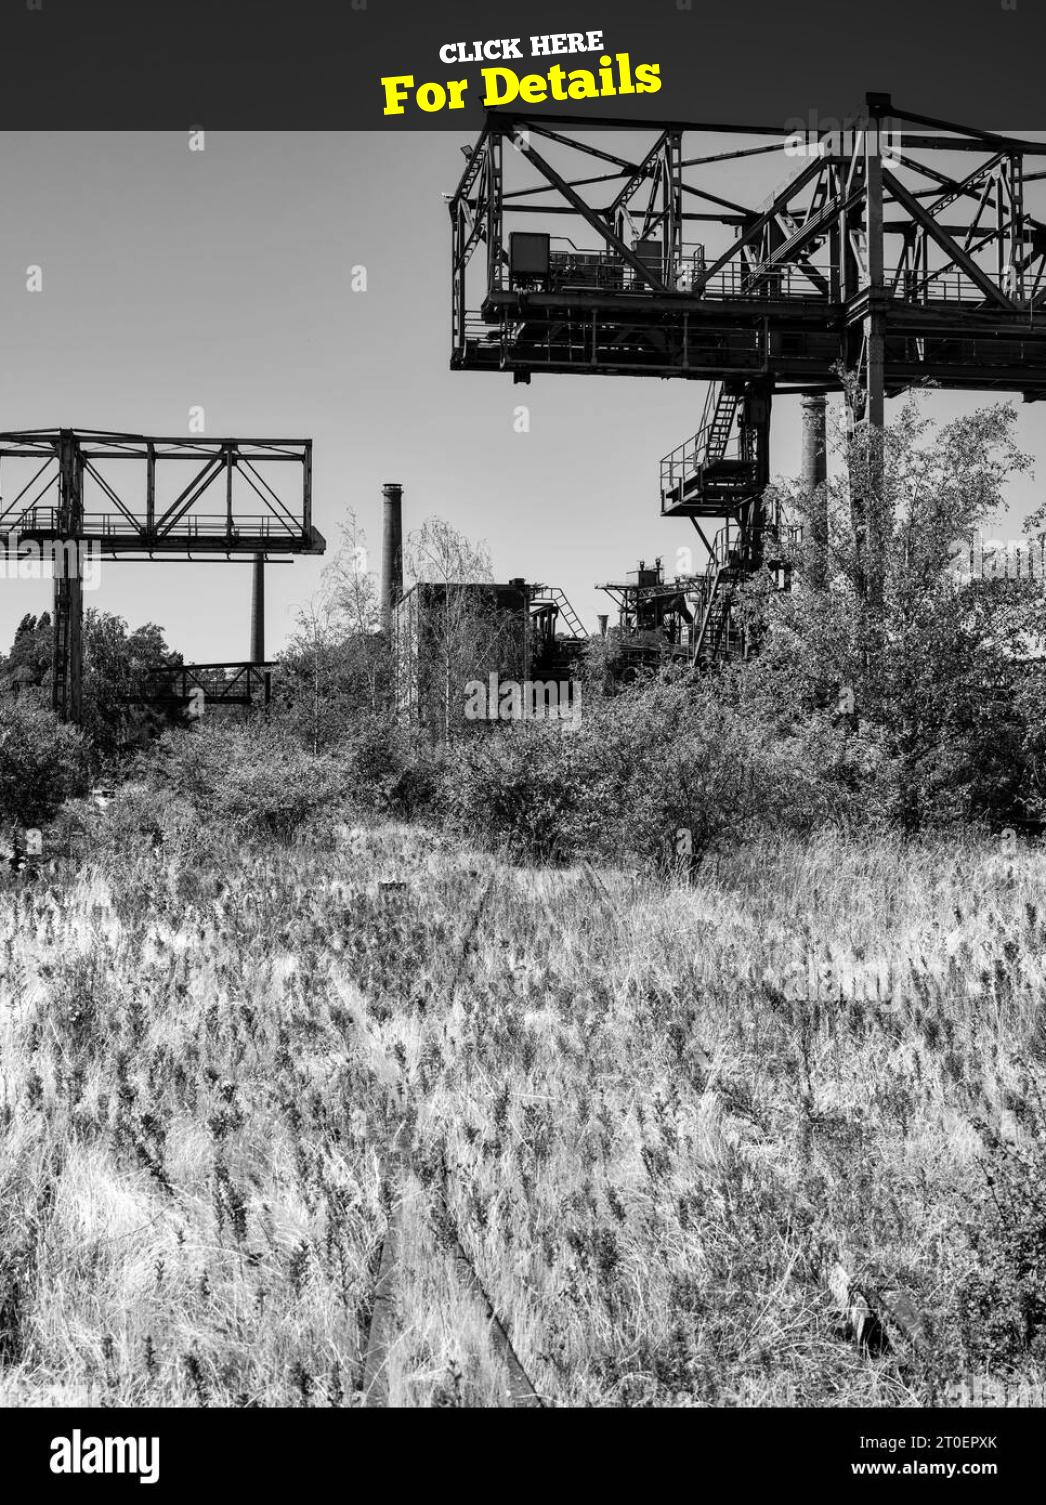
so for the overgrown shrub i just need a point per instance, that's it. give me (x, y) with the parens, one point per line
(142, 815)
(248, 776)
(1001, 1301)
(678, 769)
(669, 769)
(522, 789)
(387, 769)
(41, 762)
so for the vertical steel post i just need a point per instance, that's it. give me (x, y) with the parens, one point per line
(875, 319)
(494, 180)
(815, 496)
(150, 488)
(875, 344)
(673, 205)
(228, 489)
(67, 641)
(867, 400)
(306, 489)
(756, 409)
(258, 610)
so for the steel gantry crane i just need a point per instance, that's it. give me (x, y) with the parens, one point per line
(899, 252)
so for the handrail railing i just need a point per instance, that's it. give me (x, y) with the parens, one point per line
(686, 460)
(581, 270)
(45, 520)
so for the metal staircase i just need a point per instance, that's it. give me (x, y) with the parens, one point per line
(726, 405)
(715, 607)
(719, 637)
(710, 474)
(567, 612)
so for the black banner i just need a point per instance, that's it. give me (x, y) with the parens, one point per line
(319, 64)
(64, 1452)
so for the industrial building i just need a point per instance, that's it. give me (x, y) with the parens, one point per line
(445, 634)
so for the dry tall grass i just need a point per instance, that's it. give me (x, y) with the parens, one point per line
(650, 1113)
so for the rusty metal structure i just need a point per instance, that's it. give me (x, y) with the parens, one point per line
(126, 497)
(656, 618)
(443, 634)
(440, 632)
(258, 609)
(899, 252)
(225, 684)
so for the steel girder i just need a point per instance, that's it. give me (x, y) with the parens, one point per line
(879, 265)
(943, 272)
(64, 490)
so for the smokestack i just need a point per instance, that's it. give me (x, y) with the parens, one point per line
(815, 471)
(391, 551)
(602, 620)
(258, 610)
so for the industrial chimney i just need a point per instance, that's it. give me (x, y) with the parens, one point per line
(391, 551)
(815, 497)
(602, 619)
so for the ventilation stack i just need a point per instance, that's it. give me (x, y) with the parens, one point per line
(391, 551)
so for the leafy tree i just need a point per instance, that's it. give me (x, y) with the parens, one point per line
(27, 668)
(248, 776)
(41, 761)
(884, 639)
(118, 666)
(333, 678)
(464, 636)
(338, 685)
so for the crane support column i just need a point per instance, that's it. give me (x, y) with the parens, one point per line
(756, 420)
(815, 496)
(875, 347)
(258, 610)
(67, 655)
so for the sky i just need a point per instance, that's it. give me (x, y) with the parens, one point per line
(222, 279)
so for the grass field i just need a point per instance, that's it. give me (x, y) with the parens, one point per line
(654, 1115)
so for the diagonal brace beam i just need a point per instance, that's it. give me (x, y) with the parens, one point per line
(758, 225)
(643, 170)
(923, 217)
(192, 493)
(578, 203)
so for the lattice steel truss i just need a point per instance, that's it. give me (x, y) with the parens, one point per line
(123, 497)
(870, 240)
(226, 684)
(900, 251)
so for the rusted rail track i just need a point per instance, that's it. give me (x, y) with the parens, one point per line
(877, 1314)
(383, 1313)
(520, 1390)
